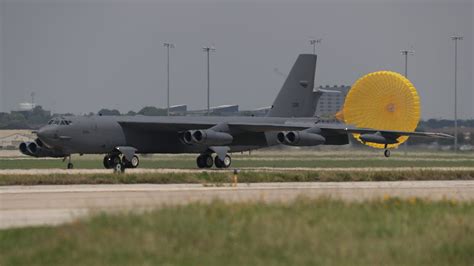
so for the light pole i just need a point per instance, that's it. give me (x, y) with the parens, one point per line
(208, 50)
(456, 38)
(168, 45)
(313, 42)
(405, 53)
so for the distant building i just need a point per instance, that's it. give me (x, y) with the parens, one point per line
(26, 106)
(331, 103)
(221, 110)
(179, 109)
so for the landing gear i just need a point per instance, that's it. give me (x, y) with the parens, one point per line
(69, 162)
(107, 162)
(204, 161)
(223, 163)
(386, 153)
(118, 163)
(131, 164)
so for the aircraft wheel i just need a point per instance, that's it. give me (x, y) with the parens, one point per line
(200, 161)
(208, 162)
(386, 153)
(133, 163)
(218, 162)
(70, 166)
(227, 161)
(107, 162)
(223, 163)
(114, 160)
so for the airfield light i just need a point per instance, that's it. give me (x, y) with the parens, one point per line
(456, 38)
(313, 42)
(168, 45)
(208, 50)
(405, 53)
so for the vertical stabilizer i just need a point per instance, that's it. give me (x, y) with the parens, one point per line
(296, 98)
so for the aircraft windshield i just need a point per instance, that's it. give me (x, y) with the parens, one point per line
(59, 121)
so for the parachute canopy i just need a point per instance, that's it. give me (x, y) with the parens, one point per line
(382, 100)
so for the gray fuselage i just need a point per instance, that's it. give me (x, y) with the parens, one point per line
(101, 134)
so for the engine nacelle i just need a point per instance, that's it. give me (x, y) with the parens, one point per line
(300, 138)
(35, 150)
(207, 137)
(24, 148)
(377, 138)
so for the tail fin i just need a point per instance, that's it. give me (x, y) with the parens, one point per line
(296, 98)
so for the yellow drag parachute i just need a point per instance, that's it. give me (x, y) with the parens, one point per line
(382, 100)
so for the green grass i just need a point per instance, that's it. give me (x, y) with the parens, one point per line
(225, 176)
(305, 232)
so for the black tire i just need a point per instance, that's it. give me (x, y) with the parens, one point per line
(226, 163)
(70, 166)
(107, 162)
(208, 162)
(131, 164)
(218, 162)
(386, 153)
(200, 161)
(114, 160)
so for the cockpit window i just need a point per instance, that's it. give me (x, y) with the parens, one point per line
(61, 122)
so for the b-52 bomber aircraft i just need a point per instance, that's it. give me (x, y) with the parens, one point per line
(290, 121)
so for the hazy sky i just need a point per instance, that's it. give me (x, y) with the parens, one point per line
(79, 56)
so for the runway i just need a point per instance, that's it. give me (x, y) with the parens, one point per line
(55, 204)
(195, 170)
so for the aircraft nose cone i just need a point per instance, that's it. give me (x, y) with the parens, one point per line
(45, 133)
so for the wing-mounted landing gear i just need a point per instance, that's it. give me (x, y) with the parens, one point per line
(122, 157)
(221, 160)
(386, 153)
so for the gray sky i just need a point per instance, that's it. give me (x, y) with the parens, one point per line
(79, 56)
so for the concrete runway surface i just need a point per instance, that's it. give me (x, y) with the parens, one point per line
(55, 204)
(195, 170)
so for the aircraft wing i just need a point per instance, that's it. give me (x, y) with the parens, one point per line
(264, 127)
(234, 126)
(393, 133)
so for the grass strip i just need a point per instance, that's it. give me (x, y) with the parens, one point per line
(216, 177)
(304, 232)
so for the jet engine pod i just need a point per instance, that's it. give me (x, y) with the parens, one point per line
(35, 150)
(281, 137)
(32, 148)
(377, 138)
(24, 148)
(207, 137)
(300, 138)
(303, 138)
(382, 100)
